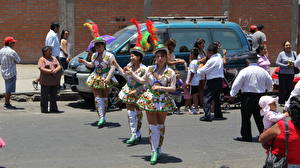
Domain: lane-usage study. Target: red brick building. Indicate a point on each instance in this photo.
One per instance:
(29, 20)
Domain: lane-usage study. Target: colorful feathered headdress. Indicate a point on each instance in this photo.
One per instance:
(93, 28)
(138, 46)
(153, 32)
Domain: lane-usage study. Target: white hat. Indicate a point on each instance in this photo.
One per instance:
(264, 103)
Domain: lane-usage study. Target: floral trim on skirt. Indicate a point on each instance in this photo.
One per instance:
(96, 81)
(155, 101)
(129, 95)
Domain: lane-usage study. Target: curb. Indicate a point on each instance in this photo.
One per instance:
(36, 96)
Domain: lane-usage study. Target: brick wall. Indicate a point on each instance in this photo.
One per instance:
(110, 16)
(273, 14)
(29, 22)
(186, 7)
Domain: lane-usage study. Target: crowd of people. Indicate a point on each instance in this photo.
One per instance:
(158, 89)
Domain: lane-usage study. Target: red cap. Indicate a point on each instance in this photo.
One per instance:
(9, 39)
(253, 27)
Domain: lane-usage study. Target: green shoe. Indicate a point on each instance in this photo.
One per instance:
(158, 152)
(133, 140)
(101, 122)
(154, 157)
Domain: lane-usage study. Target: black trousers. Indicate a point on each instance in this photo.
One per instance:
(63, 63)
(46, 93)
(249, 106)
(212, 91)
(285, 86)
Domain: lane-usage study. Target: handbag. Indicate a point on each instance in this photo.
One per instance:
(273, 161)
(296, 69)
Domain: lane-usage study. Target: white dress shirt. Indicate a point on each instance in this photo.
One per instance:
(297, 62)
(253, 79)
(193, 69)
(52, 40)
(8, 60)
(213, 68)
(295, 92)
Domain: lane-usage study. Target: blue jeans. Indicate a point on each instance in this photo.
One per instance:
(10, 85)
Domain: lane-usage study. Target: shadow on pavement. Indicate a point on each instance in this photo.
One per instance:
(144, 141)
(163, 159)
(14, 108)
(107, 125)
(81, 105)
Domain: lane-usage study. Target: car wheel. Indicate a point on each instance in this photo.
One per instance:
(226, 106)
(114, 103)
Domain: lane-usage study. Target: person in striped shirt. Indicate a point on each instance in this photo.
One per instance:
(8, 60)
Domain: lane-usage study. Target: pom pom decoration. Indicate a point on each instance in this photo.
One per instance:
(153, 32)
(144, 41)
(139, 37)
(93, 27)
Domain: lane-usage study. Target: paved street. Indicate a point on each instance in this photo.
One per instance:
(68, 140)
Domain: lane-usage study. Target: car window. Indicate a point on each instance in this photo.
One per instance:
(121, 36)
(228, 38)
(124, 50)
(185, 38)
(161, 35)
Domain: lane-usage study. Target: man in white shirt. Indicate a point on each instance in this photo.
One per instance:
(52, 39)
(253, 82)
(214, 71)
(8, 60)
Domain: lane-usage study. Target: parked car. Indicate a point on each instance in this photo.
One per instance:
(185, 30)
(276, 80)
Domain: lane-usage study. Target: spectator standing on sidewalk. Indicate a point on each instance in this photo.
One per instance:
(53, 42)
(8, 60)
(263, 61)
(253, 81)
(259, 37)
(50, 73)
(172, 60)
(252, 30)
(296, 90)
(64, 55)
(285, 61)
(52, 39)
(214, 71)
(200, 44)
(192, 81)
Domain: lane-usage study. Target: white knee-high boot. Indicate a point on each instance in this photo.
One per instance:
(132, 119)
(161, 135)
(154, 137)
(139, 123)
(100, 105)
(105, 105)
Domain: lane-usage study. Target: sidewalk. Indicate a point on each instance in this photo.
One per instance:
(26, 73)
